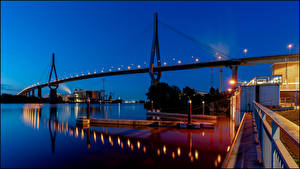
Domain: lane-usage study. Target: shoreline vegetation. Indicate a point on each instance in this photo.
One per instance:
(170, 99)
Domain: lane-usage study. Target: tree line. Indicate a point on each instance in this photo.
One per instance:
(172, 100)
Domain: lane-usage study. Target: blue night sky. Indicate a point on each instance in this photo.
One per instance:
(87, 36)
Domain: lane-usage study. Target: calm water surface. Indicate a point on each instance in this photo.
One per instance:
(44, 135)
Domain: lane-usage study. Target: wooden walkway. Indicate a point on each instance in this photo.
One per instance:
(246, 151)
(249, 154)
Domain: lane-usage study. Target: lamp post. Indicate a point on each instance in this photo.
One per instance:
(221, 75)
(152, 105)
(203, 107)
(290, 46)
(190, 112)
(245, 51)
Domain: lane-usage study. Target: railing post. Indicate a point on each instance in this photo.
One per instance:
(275, 137)
(261, 130)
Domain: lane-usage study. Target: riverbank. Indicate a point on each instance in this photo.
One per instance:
(7, 98)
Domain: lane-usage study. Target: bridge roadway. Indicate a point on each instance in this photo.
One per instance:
(222, 63)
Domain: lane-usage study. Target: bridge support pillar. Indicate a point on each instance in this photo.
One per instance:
(53, 87)
(155, 50)
(33, 93)
(234, 69)
(53, 96)
(39, 92)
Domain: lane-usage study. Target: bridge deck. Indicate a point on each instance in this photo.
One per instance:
(198, 65)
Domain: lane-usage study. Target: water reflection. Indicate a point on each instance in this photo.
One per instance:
(32, 115)
(53, 125)
(194, 147)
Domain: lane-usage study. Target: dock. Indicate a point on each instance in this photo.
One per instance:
(178, 116)
(144, 123)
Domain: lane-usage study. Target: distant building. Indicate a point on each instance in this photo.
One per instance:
(81, 95)
(102, 95)
(289, 88)
(65, 98)
(265, 80)
(95, 95)
(201, 93)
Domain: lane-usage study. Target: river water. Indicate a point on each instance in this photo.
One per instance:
(44, 135)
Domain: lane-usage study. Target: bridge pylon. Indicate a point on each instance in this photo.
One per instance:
(53, 87)
(155, 50)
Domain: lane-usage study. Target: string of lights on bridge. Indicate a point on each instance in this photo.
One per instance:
(169, 62)
(122, 67)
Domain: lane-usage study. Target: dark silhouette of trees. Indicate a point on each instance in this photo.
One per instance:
(164, 96)
(171, 99)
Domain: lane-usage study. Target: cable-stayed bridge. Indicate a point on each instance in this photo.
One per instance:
(219, 59)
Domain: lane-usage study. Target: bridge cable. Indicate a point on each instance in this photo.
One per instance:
(43, 73)
(138, 35)
(193, 39)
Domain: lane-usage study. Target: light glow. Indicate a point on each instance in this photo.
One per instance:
(232, 82)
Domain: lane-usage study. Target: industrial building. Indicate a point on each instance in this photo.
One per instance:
(81, 95)
(289, 88)
(262, 89)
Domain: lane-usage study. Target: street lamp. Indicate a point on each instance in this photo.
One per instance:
(290, 46)
(229, 90)
(245, 51)
(203, 107)
(232, 82)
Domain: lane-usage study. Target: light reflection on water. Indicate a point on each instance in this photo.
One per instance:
(146, 147)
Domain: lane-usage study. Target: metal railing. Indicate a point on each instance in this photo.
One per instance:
(274, 153)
